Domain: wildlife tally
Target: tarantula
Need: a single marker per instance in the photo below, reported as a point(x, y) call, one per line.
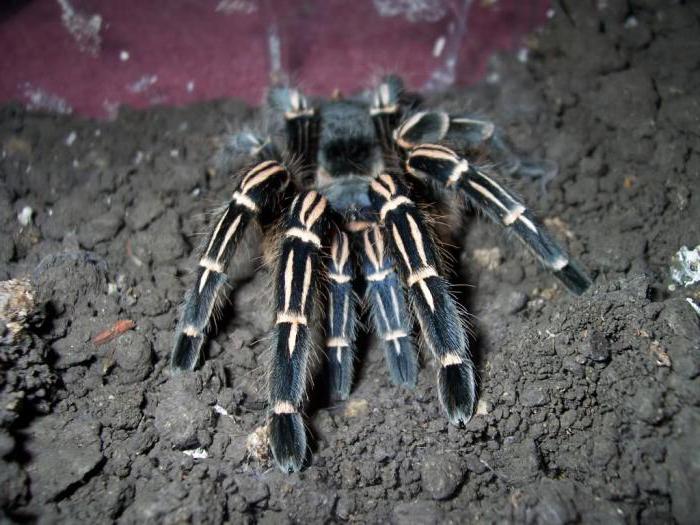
point(358, 210)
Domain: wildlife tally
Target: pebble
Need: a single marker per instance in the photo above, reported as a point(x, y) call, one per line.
point(25, 216)
point(133, 355)
point(180, 414)
point(596, 347)
point(441, 475)
point(534, 395)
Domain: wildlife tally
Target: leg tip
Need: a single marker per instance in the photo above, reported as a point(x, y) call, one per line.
point(457, 392)
point(340, 373)
point(186, 352)
point(288, 441)
point(574, 278)
point(403, 365)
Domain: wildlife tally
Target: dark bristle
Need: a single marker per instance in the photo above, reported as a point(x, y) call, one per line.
point(288, 441)
point(403, 366)
point(574, 278)
point(457, 392)
point(340, 372)
point(186, 352)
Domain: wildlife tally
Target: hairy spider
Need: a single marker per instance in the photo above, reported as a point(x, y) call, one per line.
point(370, 161)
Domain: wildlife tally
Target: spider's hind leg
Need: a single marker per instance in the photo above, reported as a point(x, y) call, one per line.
point(385, 296)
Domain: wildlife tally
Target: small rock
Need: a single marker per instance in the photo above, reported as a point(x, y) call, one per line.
point(596, 347)
point(516, 302)
point(180, 414)
point(534, 395)
point(134, 356)
point(25, 216)
point(518, 462)
point(356, 408)
point(441, 475)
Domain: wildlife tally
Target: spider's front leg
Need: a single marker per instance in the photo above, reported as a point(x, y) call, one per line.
point(301, 122)
point(453, 171)
point(257, 191)
point(434, 306)
point(296, 277)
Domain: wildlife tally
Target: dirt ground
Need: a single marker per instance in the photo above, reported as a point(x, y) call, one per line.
point(588, 406)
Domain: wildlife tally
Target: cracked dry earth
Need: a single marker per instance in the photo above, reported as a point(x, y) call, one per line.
point(588, 406)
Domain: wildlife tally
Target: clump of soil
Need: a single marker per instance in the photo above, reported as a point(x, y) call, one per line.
point(588, 406)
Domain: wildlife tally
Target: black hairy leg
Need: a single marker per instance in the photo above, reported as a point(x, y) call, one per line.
point(342, 312)
point(434, 306)
point(257, 191)
point(385, 109)
point(453, 171)
point(301, 123)
point(385, 296)
point(297, 279)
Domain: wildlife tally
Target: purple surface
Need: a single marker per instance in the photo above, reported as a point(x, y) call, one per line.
point(186, 50)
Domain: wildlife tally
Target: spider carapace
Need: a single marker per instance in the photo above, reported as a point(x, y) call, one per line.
point(356, 212)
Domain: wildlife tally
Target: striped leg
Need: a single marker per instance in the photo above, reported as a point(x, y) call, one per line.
point(341, 316)
point(444, 165)
point(301, 122)
point(386, 110)
point(466, 133)
point(433, 304)
point(385, 296)
point(257, 191)
point(296, 282)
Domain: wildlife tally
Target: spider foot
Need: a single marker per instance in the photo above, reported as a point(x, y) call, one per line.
point(457, 389)
point(288, 441)
point(403, 365)
point(186, 353)
point(574, 278)
point(340, 372)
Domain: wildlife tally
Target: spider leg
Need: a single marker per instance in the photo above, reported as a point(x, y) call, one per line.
point(257, 191)
point(453, 171)
point(301, 122)
point(296, 282)
point(466, 133)
point(385, 296)
point(434, 306)
point(341, 316)
point(385, 109)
